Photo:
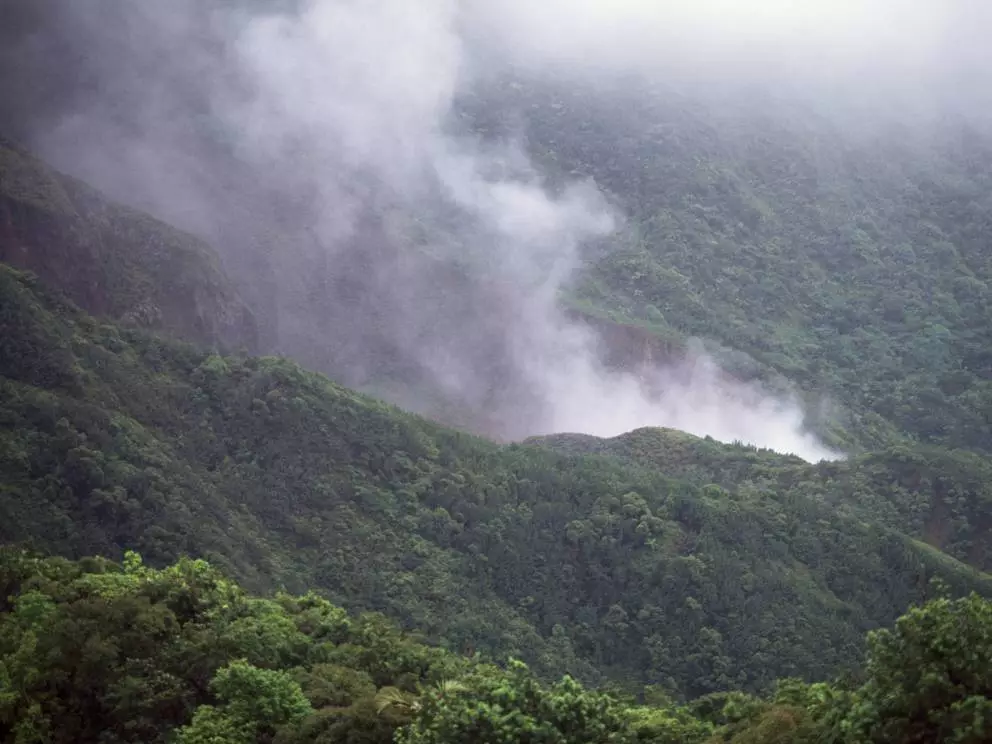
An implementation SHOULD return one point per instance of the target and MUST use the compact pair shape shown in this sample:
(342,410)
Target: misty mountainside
(518,248)
(853,259)
(573,372)
(114,261)
(622,567)
(852,273)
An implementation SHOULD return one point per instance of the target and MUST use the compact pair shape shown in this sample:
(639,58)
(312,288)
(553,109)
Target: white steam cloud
(694,396)
(343,105)
(367,86)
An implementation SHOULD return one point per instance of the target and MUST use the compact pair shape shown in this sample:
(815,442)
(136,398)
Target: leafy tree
(211,726)
(254,704)
(512,706)
(929,678)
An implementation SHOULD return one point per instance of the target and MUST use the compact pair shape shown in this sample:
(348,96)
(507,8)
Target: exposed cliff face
(630,347)
(113,261)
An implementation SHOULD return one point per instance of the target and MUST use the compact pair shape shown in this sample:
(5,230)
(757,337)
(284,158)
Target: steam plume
(315,145)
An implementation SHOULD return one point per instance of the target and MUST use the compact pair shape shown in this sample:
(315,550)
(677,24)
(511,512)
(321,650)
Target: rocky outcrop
(630,347)
(113,261)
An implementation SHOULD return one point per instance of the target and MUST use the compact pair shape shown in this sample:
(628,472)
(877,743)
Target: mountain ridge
(113,440)
(115,261)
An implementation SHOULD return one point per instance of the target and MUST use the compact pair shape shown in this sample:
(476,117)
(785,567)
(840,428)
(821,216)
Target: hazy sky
(891,36)
(925,54)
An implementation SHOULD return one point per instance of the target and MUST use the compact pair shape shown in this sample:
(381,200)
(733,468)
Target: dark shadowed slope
(114,261)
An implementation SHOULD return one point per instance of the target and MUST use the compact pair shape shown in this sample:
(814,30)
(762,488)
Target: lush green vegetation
(940,496)
(591,565)
(657,587)
(97,651)
(701,592)
(852,259)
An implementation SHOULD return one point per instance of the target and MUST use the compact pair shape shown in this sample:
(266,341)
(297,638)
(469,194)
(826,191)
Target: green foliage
(211,726)
(31,348)
(939,496)
(255,703)
(852,260)
(510,707)
(93,651)
(930,677)
(668,725)
(676,562)
(703,571)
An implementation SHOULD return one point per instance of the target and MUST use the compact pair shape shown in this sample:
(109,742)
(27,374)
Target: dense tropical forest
(94,650)
(281,349)
(840,256)
(655,567)
(851,260)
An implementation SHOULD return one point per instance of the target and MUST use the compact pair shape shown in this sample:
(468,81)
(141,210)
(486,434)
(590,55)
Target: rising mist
(318,146)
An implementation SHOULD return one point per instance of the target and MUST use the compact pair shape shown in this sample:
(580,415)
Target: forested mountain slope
(942,497)
(113,439)
(99,651)
(515,218)
(850,259)
(853,257)
(114,261)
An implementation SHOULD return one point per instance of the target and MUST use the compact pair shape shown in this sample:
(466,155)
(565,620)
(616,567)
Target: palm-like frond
(392,698)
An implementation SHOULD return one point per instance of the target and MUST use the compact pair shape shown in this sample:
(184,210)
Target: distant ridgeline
(114,261)
(653,559)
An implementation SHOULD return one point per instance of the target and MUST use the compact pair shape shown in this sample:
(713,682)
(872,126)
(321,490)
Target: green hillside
(98,651)
(942,497)
(114,261)
(592,565)
(853,259)
(287,287)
